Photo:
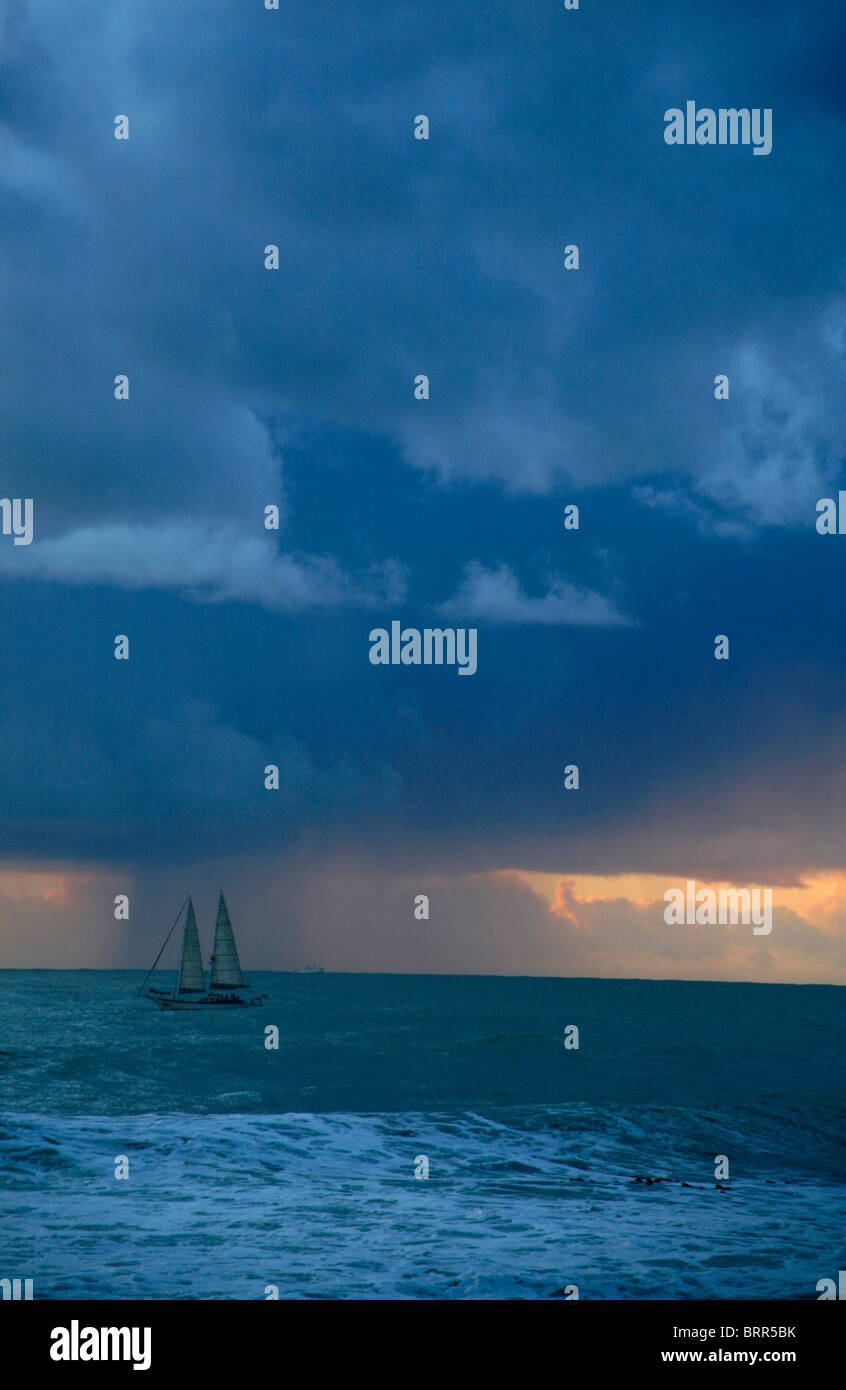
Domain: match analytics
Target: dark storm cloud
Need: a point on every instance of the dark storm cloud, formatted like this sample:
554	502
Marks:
294	387
400	256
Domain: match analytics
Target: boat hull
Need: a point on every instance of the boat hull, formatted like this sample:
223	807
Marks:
219	1002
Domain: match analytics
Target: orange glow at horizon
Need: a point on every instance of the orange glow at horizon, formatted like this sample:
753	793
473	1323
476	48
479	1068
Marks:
47	886
815	899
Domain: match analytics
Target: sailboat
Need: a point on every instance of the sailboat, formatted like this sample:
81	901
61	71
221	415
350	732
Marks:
226	983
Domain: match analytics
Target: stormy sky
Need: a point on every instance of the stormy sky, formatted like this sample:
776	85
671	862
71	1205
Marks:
548	387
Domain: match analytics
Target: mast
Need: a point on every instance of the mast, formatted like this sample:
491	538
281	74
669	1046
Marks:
225	965
143	985
191	977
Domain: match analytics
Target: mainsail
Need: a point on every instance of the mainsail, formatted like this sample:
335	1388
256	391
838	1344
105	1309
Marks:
191	977
225	965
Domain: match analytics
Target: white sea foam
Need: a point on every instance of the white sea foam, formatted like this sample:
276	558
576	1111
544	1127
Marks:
328	1206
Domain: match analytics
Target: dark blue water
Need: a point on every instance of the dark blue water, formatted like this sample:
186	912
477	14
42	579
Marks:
548	1167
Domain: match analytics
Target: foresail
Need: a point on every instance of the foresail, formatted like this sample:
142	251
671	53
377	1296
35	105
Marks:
226	968
191	977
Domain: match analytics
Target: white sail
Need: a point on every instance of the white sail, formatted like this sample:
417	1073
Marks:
226	968
191	977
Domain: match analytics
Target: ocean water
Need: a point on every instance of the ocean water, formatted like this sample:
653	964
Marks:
548	1167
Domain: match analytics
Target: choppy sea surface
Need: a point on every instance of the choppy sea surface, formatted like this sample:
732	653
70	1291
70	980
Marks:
548	1167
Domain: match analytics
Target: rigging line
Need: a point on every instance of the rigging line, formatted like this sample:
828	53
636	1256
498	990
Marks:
164	943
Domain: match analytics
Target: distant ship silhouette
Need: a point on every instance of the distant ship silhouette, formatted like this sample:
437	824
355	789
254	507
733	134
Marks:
226	983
